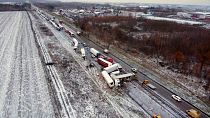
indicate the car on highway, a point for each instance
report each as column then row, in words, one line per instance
column 177, row 98
column 91, row 64
column 78, row 33
column 106, row 51
column 134, row 70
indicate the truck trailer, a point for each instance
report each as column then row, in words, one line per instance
column 103, row 62
column 111, row 68
column 95, row 52
column 70, row 33
column 75, row 43
column 108, row 79
column 55, row 25
column 115, row 72
column 151, row 86
column 125, row 77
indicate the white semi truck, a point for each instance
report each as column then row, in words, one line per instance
column 95, row 52
column 112, row 68
column 108, row 79
column 75, row 43
column 124, row 77
column 54, row 25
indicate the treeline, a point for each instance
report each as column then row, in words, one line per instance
column 181, row 47
column 15, row 7
column 110, row 19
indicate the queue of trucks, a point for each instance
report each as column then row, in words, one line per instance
column 57, row 26
column 112, row 72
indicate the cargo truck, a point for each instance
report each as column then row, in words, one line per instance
column 111, row 68
column 75, row 43
column 124, row 77
column 83, row 53
column 108, row 79
column 61, row 27
column 55, row 25
column 70, row 33
column 95, row 52
column 117, row 81
column 193, row 113
column 103, row 62
column 115, row 72
column 151, row 86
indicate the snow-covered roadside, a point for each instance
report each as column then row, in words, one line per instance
column 66, row 109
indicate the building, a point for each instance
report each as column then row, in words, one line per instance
column 200, row 15
column 194, row 15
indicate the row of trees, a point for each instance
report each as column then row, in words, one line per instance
column 184, row 47
column 10, row 7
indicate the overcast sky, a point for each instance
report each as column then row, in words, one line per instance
column 200, row 2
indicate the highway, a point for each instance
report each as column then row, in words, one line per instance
column 161, row 92
column 160, row 89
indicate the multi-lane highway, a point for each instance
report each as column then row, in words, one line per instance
column 161, row 92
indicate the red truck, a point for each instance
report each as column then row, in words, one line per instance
column 104, row 62
column 69, row 32
column 110, row 59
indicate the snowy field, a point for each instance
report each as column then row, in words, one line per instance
column 23, row 86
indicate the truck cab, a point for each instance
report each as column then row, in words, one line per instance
column 156, row 116
column 193, row 113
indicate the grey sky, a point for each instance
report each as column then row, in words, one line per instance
column 200, row 2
